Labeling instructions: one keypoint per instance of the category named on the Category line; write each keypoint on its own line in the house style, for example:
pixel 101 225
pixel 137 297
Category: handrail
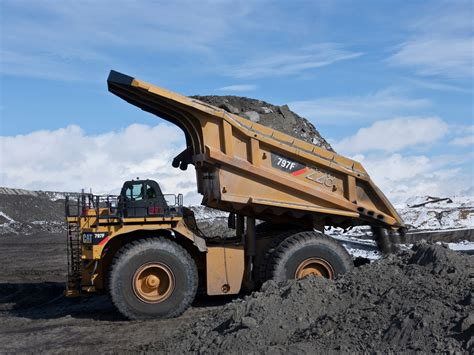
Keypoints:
pixel 85 203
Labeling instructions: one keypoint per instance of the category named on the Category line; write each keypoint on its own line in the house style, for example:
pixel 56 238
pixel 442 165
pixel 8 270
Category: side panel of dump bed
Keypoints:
pixel 250 169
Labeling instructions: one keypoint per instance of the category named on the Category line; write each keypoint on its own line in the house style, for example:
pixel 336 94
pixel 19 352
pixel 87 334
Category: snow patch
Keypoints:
pixel 9 219
pixel 432 213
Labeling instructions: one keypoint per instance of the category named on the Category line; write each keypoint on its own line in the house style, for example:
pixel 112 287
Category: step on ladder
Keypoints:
pixel 74 253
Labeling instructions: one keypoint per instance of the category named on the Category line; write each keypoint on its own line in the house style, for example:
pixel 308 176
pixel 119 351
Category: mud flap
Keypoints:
pixel 387 241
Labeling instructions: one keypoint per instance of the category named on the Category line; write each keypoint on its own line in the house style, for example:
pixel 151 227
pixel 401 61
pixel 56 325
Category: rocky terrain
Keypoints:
pixel 438 213
pixel 25 212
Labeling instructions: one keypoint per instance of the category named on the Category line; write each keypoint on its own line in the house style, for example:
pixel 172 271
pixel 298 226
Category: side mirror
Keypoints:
pixel 231 221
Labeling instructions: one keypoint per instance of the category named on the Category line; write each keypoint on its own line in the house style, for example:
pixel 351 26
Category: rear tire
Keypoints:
pixel 307 253
pixel 278 233
pixel 153 278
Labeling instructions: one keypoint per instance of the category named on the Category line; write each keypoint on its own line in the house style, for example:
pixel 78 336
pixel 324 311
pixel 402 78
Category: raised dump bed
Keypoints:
pixel 249 169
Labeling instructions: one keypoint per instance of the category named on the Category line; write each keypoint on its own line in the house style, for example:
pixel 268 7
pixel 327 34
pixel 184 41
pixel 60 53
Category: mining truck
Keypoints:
pixel 145 249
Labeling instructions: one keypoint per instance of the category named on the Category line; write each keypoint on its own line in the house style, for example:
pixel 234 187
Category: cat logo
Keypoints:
pixel 94 238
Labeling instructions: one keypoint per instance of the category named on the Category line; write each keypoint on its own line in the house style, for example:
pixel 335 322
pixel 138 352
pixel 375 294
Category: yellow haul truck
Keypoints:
pixel 145 250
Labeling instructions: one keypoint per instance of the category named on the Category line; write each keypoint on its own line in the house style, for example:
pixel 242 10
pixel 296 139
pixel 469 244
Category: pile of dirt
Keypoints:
pixel 277 117
pixel 419 300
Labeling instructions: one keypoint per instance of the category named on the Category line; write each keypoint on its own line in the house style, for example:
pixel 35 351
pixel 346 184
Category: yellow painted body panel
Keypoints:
pixel 224 269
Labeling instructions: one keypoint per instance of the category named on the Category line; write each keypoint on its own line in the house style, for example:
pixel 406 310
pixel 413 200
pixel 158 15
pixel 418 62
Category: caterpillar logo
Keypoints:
pixel 94 238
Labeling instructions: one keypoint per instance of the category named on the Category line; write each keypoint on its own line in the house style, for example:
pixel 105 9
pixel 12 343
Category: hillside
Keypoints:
pixel 25 212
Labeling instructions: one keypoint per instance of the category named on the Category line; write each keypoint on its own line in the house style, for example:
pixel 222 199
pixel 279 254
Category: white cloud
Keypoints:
pixel 356 109
pixel 403 176
pixel 39 66
pixel 465 136
pixel 463 141
pixel 83 39
pixel 68 159
pixel 393 135
pixel 78 40
pixel 438 86
pixel 238 88
pixel 441 43
pixel 294 62
pixel 450 57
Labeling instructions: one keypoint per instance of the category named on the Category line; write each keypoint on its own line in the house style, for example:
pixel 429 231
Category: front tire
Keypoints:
pixel 308 253
pixel 153 278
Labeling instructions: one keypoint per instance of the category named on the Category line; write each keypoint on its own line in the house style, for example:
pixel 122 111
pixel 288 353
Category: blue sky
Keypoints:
pixel 389 83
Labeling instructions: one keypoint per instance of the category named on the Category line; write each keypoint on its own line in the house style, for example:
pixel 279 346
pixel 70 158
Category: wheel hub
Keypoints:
pixel 153 282
pixel 314 266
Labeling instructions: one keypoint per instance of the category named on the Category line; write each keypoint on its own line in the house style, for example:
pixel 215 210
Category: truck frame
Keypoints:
pixel 152 258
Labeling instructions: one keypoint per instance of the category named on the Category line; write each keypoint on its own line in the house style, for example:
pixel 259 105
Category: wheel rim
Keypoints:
pixel 314 266
pixel 153 282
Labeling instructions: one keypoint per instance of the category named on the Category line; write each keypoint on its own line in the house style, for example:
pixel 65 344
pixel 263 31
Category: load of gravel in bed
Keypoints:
pixel 277 117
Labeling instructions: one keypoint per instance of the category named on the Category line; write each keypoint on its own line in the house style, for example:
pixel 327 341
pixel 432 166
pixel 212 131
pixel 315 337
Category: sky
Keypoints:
pixel 388 83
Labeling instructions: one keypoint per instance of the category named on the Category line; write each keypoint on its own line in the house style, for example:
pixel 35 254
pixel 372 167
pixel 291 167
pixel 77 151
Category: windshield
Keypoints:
pixel 135 192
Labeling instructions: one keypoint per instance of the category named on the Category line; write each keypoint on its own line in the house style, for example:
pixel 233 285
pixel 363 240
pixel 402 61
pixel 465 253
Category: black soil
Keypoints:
pixel 421 301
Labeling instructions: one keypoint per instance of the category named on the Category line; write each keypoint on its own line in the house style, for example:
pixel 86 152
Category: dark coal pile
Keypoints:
pixel 276 117
pixel 420 300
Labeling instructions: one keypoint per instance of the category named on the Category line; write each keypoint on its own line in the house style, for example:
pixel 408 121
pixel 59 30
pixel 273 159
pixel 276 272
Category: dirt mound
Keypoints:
pixel 420 300
pixel 276 117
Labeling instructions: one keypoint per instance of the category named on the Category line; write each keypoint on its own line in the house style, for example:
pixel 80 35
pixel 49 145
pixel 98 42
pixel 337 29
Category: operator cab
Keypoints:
pixel 143 198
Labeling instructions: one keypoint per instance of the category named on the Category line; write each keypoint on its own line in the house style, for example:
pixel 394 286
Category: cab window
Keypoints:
pixel 150 192
pixel 135 192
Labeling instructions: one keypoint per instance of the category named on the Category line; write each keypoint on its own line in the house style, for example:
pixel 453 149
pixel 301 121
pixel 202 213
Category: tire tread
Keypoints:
pixel 136 246
pixel 301 239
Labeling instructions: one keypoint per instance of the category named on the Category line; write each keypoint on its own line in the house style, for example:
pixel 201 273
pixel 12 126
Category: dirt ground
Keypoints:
pixel 418 301
pixel 34 316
